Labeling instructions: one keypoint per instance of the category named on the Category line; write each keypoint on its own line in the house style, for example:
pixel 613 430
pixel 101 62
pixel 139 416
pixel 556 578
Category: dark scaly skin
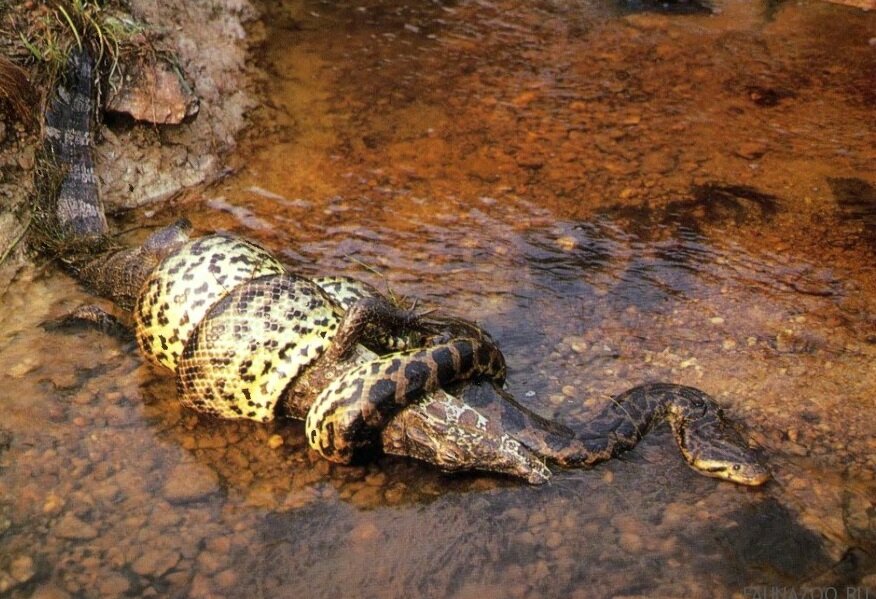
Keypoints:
pixel 68 138
pixel 707 441
pixel 354 408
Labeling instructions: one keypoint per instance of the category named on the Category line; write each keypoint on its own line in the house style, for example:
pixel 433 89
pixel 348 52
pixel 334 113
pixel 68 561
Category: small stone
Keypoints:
pixel 53 504
pixel 569 391
pixel 71 527
pixel 49 591
pixel 716 320
pixel 210 562
pixel 751 150
pixel 190 482
pixel 22 568
pixel 113 585
pixel 226 579
pixel 658 162
pixel 728 344
pixel 275 441
pixel 367 531
pixel 26 159
pixel 155 562
pixel 674 513
pixel 567 243
pixel 394 494
pixel 631 542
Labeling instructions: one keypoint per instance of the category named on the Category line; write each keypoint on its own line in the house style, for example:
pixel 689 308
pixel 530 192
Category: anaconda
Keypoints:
pixel 248 339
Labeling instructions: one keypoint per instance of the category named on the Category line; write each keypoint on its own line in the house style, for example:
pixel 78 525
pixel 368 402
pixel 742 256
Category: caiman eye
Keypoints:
pixel 736 467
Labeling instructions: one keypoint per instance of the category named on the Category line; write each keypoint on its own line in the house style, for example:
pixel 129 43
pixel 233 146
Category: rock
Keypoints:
pixel 113 585
pixel 49 591
pixel 190 482
pixel 751 150
pixel 154 92
pixel 364 532
pixel 155 562
pixel 631 542
pixel 275 441
pixel 225 579
pixel 22 568
pixel 659 162
pixel 71 527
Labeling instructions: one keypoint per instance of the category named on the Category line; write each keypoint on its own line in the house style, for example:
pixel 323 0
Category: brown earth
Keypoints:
pixel 139 164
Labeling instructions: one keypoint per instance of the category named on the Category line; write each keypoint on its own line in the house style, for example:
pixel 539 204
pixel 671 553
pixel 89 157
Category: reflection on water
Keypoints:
pixel 619 192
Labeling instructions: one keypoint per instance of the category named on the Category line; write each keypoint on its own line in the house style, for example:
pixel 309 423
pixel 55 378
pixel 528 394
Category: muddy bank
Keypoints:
pixel 139 164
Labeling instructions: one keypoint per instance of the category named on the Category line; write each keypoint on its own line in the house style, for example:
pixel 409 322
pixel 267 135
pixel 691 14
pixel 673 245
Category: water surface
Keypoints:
pixel 619 193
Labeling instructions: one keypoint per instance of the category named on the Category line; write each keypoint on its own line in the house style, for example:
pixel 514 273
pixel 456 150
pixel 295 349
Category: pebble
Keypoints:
pixel 394 494
pixel 366 531
pixel 190 482
pixel 113 585
pixel 71 527
pixel 210 562
pixel 275 441
pixel 631 542
pixel 49 591
pixel 52 504
pixel 226 578
pixel 751 150
pixel 155 562
pixel 567 243
pixel 658 162
pixel 22 568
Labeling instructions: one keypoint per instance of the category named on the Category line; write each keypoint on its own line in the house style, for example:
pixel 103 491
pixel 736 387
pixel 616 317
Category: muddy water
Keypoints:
pixel 618 194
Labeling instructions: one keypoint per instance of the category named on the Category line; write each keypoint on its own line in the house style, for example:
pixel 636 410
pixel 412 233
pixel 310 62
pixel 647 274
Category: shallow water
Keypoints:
pixel 618 194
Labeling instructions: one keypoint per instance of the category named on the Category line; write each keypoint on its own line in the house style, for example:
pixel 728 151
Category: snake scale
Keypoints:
pixel 248 339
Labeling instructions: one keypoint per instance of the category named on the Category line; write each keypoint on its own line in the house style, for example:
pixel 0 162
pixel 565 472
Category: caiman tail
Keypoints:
pixel 68 136
pixel 75 225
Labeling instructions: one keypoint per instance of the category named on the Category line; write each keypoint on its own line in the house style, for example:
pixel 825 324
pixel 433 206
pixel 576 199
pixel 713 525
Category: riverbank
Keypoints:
pixel 139 164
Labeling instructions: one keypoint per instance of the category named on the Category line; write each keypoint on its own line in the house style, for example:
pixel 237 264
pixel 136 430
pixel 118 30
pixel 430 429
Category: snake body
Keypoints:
pixel 248 339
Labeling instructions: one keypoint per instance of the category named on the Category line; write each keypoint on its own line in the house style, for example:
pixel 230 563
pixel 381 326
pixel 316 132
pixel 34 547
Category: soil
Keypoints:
pixel 140 164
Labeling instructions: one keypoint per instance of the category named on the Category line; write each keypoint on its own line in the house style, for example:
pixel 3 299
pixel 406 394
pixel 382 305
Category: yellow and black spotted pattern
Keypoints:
pixel 186 284
pixel 239 330
pixel 252 344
